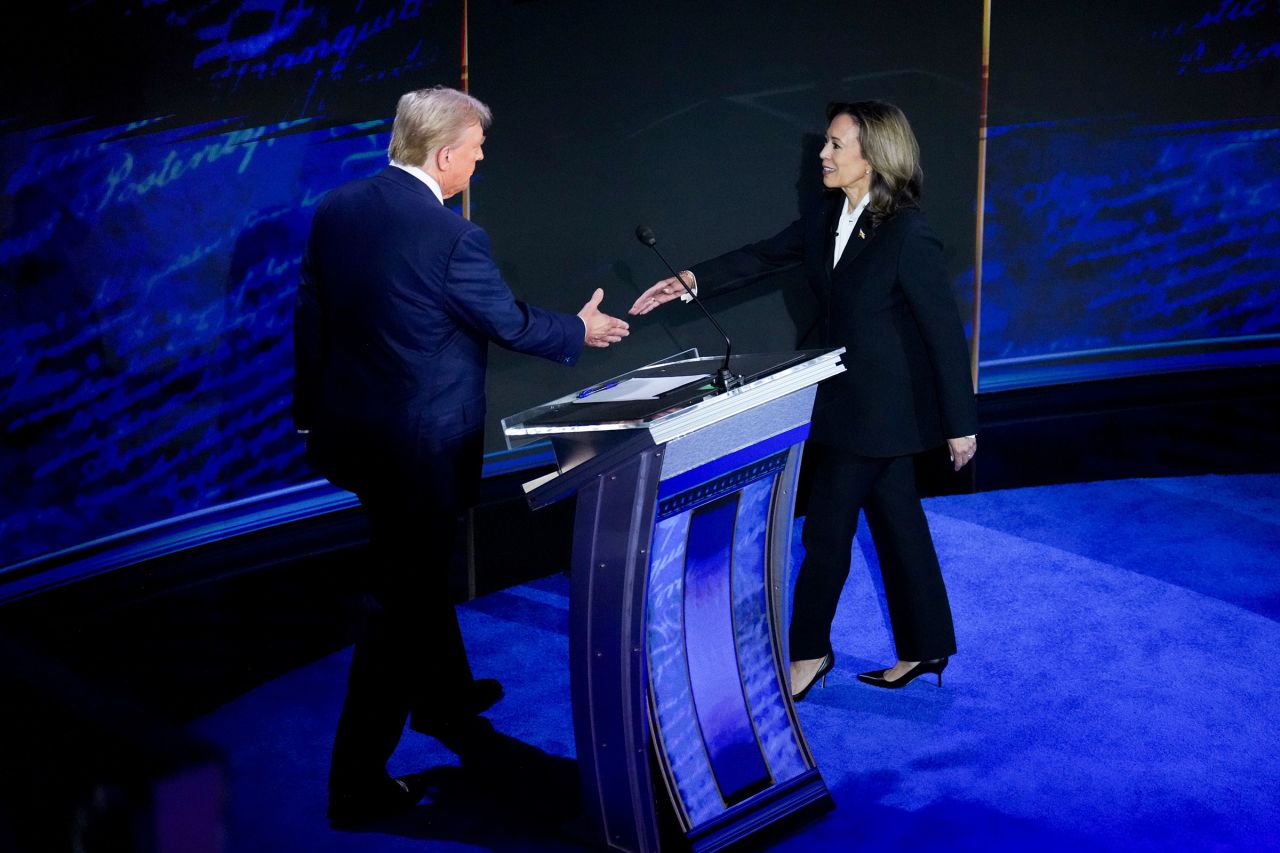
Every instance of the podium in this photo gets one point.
(685, 731)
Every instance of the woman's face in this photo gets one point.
(842, 164)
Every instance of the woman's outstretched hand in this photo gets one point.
(662, 293)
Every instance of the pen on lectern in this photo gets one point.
(594, 389)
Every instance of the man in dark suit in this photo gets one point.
(398, 302)
(877, 270)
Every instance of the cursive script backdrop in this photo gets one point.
(160, 162)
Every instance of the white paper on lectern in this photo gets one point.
(640, 388)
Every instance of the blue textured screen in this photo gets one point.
(150, 258)
(1093, 268)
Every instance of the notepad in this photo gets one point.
(640, 388)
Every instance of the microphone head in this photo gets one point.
(645, 235)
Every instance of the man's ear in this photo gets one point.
(442, 157)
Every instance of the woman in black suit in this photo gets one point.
(879, 275)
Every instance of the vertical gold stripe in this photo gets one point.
(466, 87)
(974, 348)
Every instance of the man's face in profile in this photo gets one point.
(461, 159)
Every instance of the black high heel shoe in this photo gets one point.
(828, 664)
(877, 679)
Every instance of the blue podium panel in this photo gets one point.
(762, 682)
(724, 735)
(719, 700)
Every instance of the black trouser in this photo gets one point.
(410, 656)
(885, 489)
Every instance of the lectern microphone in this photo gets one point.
(724, 379)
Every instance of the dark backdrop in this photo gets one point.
(704, 122)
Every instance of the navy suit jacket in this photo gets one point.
(887, 302)
(398, 301)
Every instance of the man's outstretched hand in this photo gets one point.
(602, 329)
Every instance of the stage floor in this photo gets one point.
(1112, 691)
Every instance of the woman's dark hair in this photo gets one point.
(891, 148)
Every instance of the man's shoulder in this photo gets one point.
(390, 185)
(383, 196)
(355, 186)
(349, 198)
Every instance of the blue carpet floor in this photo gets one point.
(1114, 690)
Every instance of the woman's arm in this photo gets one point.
(731, 270)
(922, 273)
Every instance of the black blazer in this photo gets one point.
(398, 302)
(907, 385)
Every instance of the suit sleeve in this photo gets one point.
(308, 348)
(923, 275)
(478, 298)
(752, 262)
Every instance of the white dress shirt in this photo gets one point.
(846, 225)
(422, 176)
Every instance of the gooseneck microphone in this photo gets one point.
(724, 379)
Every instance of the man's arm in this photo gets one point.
(477, 297)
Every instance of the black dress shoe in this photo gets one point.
(877, 679)
(353, 805)
(472, 739)
(482, 695)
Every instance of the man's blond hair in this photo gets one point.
(430, 119)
